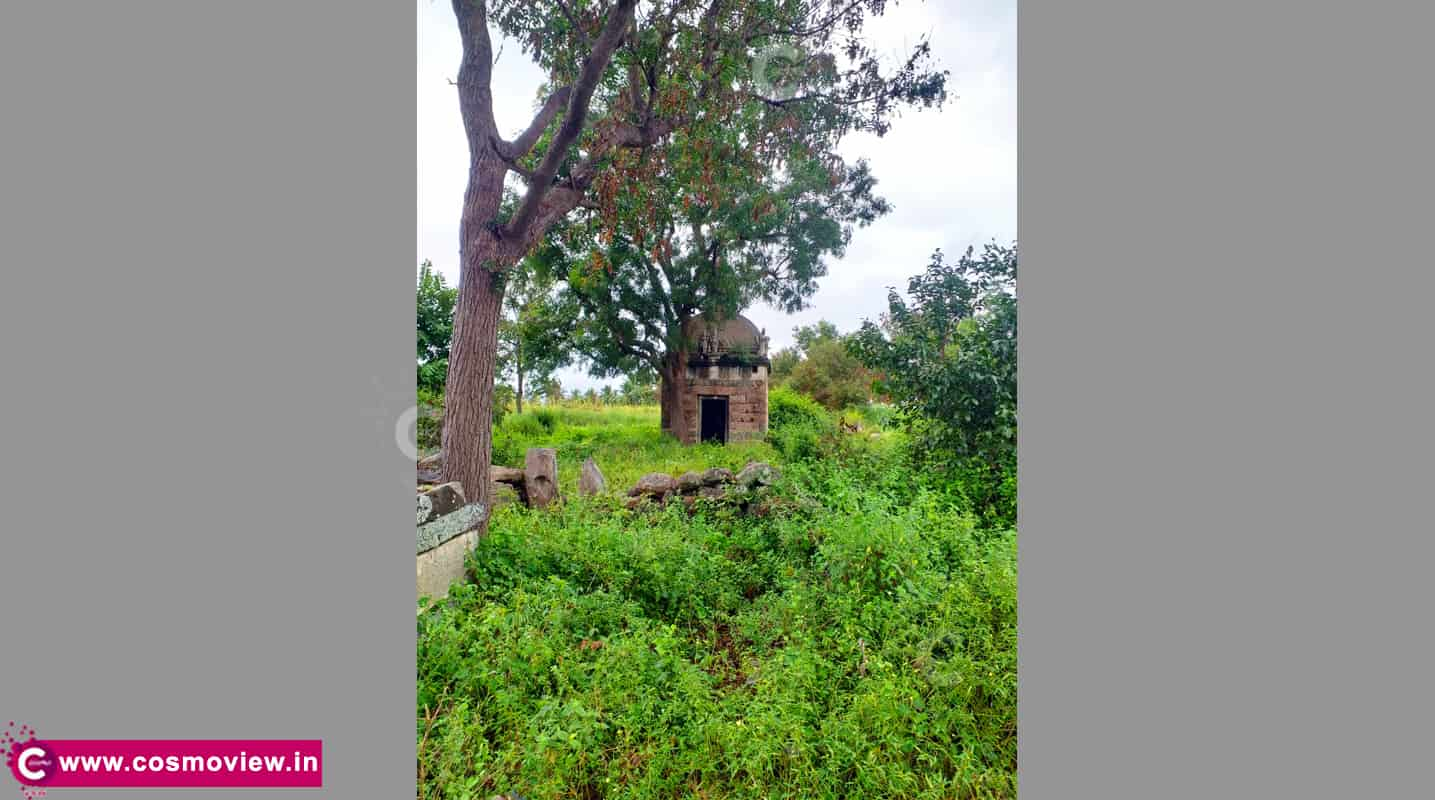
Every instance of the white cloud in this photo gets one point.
(950, 175)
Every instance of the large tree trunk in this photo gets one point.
(468, 400)
(672, 385)
(486, 248)
(468, 407)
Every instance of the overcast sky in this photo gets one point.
(950, 174)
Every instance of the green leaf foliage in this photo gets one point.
(948, 357)
(821, 366)
(435, 327)
(860, 644)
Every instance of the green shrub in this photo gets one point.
(863, 648)
(877, 415)
(525, 424)
(860, 643)
(786, 407)
(798, 426)
(948, 354)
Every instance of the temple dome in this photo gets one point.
(726, 336)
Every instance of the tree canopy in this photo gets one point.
(657, 117)
(821, 366)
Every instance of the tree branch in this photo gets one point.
(518, 148)
(475, 73)
(559, 199)
(572, 125)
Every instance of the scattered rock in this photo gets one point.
(429, 476)
(590, 481)
(540, 476)
(690, 482)
(503, 494)
(439, 500)
(433, 462)
(509, 475)
(654, 484)
(756, 473)
(717, 476)
(712, 493)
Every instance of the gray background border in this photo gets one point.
(207, 323)
(1225, 377)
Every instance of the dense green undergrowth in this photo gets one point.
(862, 643)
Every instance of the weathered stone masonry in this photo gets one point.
(729, 362)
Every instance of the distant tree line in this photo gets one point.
(536, 337)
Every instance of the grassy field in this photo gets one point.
(860, 644)
(625, 441)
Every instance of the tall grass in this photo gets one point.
(861, 643)
(625, 442)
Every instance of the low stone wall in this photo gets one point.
(448, 528)
(449, 525)
(749, 489)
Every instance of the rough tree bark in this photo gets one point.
(488, 249)
(672, 384)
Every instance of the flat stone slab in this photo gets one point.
(440, 500)
(443, 566)
(440, 530)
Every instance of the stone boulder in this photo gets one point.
(717, 476)
(590, 480)
(442, 543)
(654, 484)
(714, 493)
(440, 500)
(540, 476)
(756, 473)
(690, 482)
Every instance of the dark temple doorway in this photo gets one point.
(713, 416)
